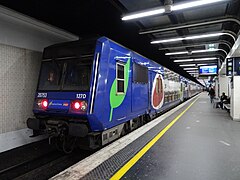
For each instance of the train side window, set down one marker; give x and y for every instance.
(140, 74)
(160, 83)
(120, 77)
(157, 86)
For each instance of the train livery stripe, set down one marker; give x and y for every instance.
(94, 83)
(119, 174)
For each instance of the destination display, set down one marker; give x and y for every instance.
(208, 70)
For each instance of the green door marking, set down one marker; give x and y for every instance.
(117, 99)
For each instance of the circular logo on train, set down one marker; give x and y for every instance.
(158, 92)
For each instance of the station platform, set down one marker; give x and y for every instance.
(192, 141)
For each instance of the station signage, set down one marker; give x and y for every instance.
(233, 66)
(229, 68)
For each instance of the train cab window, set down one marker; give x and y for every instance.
(120, 77)
(50, 75)
(65, 75)
(77, 76)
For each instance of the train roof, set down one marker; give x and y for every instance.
(71, 49)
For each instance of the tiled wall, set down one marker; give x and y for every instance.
(19, 69)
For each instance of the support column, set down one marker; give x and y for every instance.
(223, 85)
(235, 99)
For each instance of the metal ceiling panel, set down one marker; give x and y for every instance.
(165, 35)
(155, 21)
(137, 5)
(205, 12)
(205, 29)
(209, 39)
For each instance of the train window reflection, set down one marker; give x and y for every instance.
(65, 75)
(50, 76)
(77, 76)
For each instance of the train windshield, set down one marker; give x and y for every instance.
(77, 76)
(65, 75)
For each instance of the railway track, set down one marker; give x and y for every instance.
(42, 165)
(26, 166)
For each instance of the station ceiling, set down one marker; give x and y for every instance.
(104, 18)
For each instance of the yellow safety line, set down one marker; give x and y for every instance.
(132, 161)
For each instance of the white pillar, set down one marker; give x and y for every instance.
(235, 99)
(217, 87)
(223, 84)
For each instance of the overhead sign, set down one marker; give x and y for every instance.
(208, 70)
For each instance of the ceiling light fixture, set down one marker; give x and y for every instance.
(190, 68)
(198, 59)
(192, 71)
(161, 10)
(205, 59)
(184, 60)
(188, 38)
(144, 14)
(191, 52)
(187, 65)
(193, 4)
(177, 53)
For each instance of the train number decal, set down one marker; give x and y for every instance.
(42, 95)
(81, 96)
(157, 92)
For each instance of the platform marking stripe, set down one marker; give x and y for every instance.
(132, 161)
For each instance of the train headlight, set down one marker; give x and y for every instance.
(83, 106)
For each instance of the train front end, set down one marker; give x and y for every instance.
(61, 102)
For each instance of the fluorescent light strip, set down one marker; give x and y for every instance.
(192, 52)
(193, 4)
(187, 38)
(144, 14)
(198, 59)
(187, 65)
(190, 68)
(161, 10)
(184, 60)
(177, 53)
(191, 71)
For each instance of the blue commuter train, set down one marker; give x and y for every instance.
(90, 92)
